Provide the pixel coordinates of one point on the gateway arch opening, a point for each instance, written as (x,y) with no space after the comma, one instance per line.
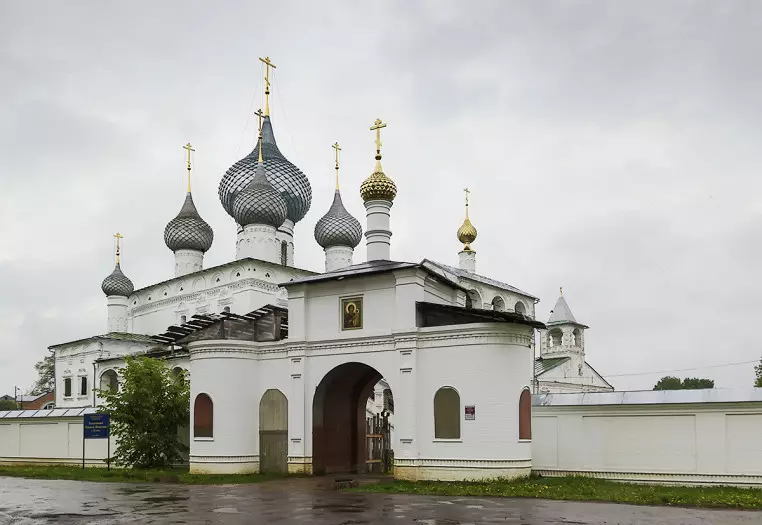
(351,433)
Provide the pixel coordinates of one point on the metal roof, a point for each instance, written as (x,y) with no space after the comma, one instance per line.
(542,364)
(437,314)
(54,412)
(562,314)
(464,274)
(652,397)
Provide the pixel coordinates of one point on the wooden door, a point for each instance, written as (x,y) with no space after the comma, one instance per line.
(273,433)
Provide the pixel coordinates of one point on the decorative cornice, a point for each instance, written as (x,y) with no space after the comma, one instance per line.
(254,283)
(223,459)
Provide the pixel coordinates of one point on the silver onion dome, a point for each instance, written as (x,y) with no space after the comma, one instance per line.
(259,202)
(338,227)
(282,174)
(188,231)
(117,283)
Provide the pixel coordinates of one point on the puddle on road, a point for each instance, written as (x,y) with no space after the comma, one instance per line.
(437,521)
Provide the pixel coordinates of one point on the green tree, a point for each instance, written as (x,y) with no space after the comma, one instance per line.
(8,404)
(758,371)
(146,414)
(668,383)
(689,383)
(46,380)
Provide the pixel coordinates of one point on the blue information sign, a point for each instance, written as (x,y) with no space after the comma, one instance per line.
(96,426)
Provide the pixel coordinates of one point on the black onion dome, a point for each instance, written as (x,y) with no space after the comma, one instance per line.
(259,203)
(188,231)
(338,227)
(117,283)
(282,174)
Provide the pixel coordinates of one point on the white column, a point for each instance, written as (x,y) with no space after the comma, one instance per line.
(286,234)
(117,313)
(258,241)
(338,257)
(188,261)
(468,260)
(378,234)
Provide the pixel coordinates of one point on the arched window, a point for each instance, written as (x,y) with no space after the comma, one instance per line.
(203,417)
(447,413)
(83,386)
(469,303)
(226,309)
(525,415)
(555,336)
(476,299)
(109,381)
(520,308)
(49,406)
(183,318)
(577,337)
(67,387)
(284,253)
(498,304)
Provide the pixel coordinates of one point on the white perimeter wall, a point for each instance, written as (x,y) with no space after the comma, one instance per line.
(685,443)
(52,441)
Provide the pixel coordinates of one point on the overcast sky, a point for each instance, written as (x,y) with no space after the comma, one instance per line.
(613,148)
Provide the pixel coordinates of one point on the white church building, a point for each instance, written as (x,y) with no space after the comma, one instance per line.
(286,364)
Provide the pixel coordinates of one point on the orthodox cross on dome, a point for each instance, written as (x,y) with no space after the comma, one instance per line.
(338,149)
(268,65)
(468,193)
(118,236)
(561,290)
(188,148)
(259,114)
(377,126)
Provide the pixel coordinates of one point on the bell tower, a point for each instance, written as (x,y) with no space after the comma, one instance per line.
(564,336)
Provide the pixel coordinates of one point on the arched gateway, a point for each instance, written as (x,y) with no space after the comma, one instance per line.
(339,438)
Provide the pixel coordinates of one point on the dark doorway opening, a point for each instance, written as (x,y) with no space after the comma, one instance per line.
(339,424)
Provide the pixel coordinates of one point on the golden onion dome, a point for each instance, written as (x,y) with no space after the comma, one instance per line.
(378,187)
(467,234)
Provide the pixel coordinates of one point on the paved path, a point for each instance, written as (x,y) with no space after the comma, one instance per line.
(28,502)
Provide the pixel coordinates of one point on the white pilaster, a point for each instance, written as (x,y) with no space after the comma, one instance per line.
(378,233)
(188,261)
(117,313)
(286,234)
(338,257)
(258,241)
(467,260)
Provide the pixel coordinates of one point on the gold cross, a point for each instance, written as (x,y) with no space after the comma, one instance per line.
(189,148)
(377,125)
(268,65)
(338,149)
(118,236)
(468,192)
(259,114)
(561,289)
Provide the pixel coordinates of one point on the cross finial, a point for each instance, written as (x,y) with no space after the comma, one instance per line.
(268,65)
(118,236)
(338,149)
(561,290)
(468,192)
(259,114)
(189,148)
(377,126)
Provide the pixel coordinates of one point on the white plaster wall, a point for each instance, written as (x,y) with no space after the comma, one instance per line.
(53,440)
(243,286)
(489,366)
(687,443)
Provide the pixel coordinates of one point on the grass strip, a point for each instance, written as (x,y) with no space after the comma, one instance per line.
(178,475)
(583,489)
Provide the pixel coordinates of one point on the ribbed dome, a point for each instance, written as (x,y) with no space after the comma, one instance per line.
(117,283)
(467,233)
(378,186)
(282,175)
(338,227)
(188,231)
(259,203)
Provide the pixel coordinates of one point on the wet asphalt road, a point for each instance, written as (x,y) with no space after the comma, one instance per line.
(27,502)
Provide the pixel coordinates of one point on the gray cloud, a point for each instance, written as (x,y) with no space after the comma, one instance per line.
(612,148)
